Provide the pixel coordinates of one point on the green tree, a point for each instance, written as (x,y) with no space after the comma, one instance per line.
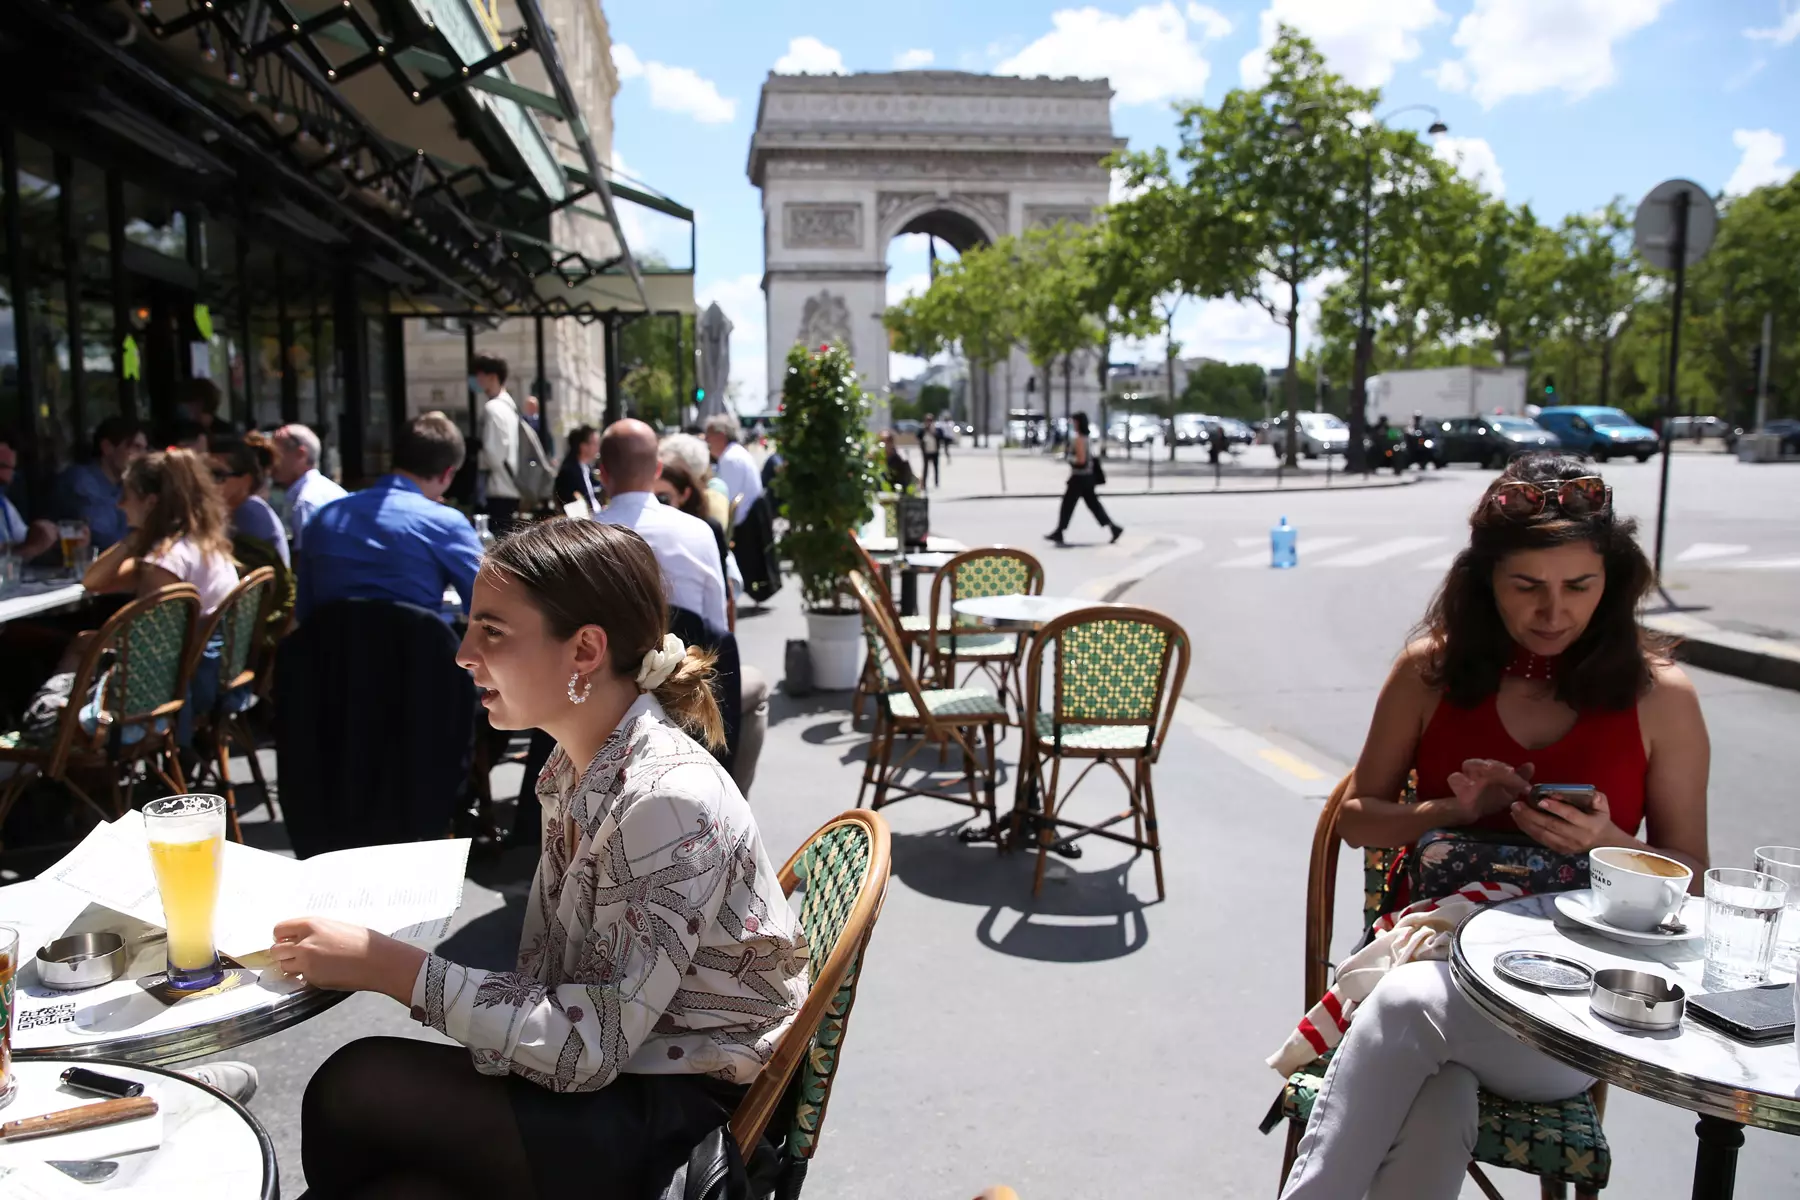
(829,477)
(972,306)
(1225,390)
(1054,290)
(661,365)
(1752,269)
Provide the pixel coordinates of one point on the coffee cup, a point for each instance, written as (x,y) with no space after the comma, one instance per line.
(1637,889)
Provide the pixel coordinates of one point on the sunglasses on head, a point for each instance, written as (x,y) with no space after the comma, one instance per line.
(1519,500)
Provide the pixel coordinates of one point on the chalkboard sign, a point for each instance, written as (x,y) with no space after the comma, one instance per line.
(915,521)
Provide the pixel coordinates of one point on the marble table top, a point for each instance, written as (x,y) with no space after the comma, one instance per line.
(887,547)
(210,1146)
(1692,1066)
(32,597)
(1029,612)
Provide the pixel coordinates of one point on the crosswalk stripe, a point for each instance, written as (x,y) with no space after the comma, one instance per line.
(1308,546)
(1701,551)
(1440,563)
(1381,552)
(1765,564)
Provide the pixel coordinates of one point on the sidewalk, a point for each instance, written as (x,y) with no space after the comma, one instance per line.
(988,473)
(1744,624)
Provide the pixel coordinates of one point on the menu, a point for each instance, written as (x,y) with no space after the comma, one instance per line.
(410,889)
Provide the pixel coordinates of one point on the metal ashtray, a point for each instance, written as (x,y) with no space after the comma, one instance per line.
(1551,972)
(1637,998)
(83,961)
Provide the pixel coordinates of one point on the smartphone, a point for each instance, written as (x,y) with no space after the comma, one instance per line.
(1756,1015)
(1575,795)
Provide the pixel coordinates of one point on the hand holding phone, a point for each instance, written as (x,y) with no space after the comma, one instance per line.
(1575,795)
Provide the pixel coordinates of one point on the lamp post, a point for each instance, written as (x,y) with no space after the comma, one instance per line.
(1364,357)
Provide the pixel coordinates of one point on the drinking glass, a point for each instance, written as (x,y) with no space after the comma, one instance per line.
(1783,862)
(1742,908)
(187,839)
(9,967)
(72,535)
(11,570)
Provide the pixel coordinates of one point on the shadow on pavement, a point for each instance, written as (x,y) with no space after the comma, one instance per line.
(491,941)
(1082,916)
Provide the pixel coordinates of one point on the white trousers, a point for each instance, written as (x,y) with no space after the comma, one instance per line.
(1395,1117)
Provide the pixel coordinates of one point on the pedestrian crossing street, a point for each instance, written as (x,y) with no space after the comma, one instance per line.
(1428,553)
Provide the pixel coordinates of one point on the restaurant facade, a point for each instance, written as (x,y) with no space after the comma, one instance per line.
(294,199)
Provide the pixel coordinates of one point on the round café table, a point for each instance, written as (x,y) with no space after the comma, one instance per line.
(131,1019)
(210,1145)
(1728,1083)
(887,552)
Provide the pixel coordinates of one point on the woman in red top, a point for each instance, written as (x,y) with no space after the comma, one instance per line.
(1530,664)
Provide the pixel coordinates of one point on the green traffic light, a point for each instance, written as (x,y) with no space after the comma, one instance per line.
(699,393)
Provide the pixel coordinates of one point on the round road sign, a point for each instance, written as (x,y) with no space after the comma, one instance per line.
(1655,223)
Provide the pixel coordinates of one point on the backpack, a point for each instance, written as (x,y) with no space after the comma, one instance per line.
(532,475)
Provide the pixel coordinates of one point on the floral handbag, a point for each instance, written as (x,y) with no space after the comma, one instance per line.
(1446,859)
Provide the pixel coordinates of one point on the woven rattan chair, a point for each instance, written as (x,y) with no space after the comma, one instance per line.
(844,867)
(957,641)
(1118,672)
(942,717)
(912,628)
(240,624)
(1561,1142)
(150,644)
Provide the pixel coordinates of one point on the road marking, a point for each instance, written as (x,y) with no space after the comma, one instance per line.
(1246,543)
(1440,563)
(1291,772)
(1765,564)
(1380,552)
(1701,551)
(1306,546)
(1109,587)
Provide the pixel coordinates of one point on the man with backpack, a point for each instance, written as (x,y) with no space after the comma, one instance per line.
(518,471)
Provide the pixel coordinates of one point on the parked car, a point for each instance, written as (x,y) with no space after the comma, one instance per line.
(1491,441)
(1193,429)
(1701,428)
(1598,433)
(1140,428)
(1789,429)
(1236,432)
(1319,433)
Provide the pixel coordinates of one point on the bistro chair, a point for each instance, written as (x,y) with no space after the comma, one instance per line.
(136,667)
(240,625)
(844,867)
(1118,672)
(943,717)
(911,628)
(955,640)
(1560,1142)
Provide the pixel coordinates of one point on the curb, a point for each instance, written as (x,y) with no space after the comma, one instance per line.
(1744,655)
(1120,493)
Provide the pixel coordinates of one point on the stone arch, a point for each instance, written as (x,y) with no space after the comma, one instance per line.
(949,219)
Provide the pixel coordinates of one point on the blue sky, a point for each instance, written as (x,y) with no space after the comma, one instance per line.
(1562,103)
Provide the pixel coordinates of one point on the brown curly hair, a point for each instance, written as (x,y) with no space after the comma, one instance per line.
(185,503)
(1610,666)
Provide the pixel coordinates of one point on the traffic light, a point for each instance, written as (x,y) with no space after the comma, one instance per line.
(1549,385)
(699,394)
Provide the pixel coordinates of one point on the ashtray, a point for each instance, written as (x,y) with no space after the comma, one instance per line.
(1551,972)
(84,960)
(1638,999)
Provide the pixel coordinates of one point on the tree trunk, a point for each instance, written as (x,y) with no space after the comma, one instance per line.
(1169,368)
(1068,387)
(1290,382)
(1606,355)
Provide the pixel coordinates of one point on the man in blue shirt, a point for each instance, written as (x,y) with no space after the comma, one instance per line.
(394,541)
(89,491)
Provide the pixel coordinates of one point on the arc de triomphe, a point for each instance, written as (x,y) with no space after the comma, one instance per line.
(847,162)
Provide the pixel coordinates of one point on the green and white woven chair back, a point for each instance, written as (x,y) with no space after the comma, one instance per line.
(147,673)
(871,603)
(993,575)
(832,868)
(239,629)
(890,516)
(1111,671)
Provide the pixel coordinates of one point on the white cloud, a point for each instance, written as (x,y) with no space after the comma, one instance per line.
(912,60)
(1521,47)
(1149,54)
(1761,163)
(810,56)
(1782,33)
(742,300)
(1474,160)
(1361,39)
(1237,331)
(675,89)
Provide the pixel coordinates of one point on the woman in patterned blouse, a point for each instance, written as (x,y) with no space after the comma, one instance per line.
(659,963)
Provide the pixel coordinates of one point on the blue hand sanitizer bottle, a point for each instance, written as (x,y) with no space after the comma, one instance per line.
(1283,551)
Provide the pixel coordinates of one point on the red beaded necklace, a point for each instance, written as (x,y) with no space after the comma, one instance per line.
(1526,665)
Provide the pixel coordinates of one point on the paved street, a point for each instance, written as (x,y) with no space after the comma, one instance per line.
(1096,1043)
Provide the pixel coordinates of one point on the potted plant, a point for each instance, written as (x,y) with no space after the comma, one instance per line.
(827,487)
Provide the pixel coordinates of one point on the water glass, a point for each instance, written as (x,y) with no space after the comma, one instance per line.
(1783,862)
(1742,910)
(11,570)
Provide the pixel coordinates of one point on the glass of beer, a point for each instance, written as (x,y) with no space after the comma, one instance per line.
(9,967)
(73,535)
(187,839)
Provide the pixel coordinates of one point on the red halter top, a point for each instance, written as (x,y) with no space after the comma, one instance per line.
(1605,748)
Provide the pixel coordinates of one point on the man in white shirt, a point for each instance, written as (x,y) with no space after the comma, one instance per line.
(25,539)
(736,467)
(683,545)
(499,442)
(296,469)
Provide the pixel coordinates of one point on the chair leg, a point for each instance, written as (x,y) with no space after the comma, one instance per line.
(1155,838)
(241,732)
(992,768)
(231,813)
(1047,825)
(1552,1189)
(1484,1183)
(875,735)
(883,768)
(118,799)
(1294,1131)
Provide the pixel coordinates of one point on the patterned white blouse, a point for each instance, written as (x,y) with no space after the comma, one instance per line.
(657,940)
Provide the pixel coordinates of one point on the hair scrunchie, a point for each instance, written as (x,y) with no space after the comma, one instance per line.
(660,663)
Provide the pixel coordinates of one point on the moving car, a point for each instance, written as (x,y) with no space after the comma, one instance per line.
(1193,429)
(1491,441)
(1319,433)
(1598,433)
(1236,432)
(1700,428)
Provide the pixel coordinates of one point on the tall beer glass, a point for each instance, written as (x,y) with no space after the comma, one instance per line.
(187,838)
(9,967)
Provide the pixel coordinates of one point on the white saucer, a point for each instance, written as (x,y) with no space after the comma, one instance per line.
(1579,907)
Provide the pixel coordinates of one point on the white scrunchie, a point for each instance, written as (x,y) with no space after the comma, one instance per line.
(660,663)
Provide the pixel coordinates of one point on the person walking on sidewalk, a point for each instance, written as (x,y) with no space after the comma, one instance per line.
(929,442)
(1082,481)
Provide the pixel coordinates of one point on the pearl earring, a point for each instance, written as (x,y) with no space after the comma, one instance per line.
(587,687)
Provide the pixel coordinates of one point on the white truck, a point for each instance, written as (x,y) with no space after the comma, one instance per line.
(1442,393)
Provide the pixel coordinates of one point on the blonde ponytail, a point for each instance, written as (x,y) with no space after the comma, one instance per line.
(687,697)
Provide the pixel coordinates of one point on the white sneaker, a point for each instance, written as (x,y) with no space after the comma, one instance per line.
(236,1079)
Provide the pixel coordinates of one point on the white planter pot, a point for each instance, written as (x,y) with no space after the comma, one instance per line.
(836,644)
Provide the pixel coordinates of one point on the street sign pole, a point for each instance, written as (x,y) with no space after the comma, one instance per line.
(1679,203)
